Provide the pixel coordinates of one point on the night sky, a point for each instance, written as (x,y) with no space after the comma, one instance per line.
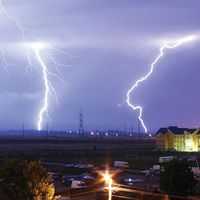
(107,45)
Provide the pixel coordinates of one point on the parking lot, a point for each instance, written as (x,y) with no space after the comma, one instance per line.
(130,178)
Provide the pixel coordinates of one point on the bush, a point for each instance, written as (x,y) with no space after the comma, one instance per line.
(177,177)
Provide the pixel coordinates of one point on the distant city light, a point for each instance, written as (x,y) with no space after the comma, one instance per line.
(106,134)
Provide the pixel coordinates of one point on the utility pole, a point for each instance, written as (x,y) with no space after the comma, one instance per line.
(138,127)
(124,128)
(23,129)
(131,128)
(81,129)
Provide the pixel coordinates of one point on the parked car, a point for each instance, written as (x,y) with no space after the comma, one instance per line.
(67,179)
(131,181)
(70,165)
(121,164)
(56,176)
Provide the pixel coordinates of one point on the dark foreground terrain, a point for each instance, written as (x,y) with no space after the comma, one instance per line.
(82,150)
(139,152)
(56,152)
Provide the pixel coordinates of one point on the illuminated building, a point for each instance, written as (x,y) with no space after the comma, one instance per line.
(179,139)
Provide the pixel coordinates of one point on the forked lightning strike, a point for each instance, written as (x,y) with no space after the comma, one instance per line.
(44,108)
(172,45)
(20,28)
(48,88)
(37,47)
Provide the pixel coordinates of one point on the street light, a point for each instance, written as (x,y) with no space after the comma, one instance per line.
(108,181)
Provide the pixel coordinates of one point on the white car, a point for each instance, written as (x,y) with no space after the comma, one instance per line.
(78,184)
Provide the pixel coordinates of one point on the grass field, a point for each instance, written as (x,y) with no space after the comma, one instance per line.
(140,153)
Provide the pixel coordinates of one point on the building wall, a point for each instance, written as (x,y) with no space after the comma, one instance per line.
(160,141)
(198,142)
(170,140)
(165,141)
(180,142)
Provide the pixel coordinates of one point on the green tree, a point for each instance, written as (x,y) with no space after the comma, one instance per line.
(177,177)
(25,181)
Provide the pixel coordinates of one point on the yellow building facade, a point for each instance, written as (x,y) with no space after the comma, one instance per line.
(179,139)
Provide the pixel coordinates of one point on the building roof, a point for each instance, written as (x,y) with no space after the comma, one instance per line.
(192,130)
(162,131)
(176,130)
(198,131)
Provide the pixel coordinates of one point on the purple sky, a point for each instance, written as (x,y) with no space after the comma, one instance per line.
(111,44)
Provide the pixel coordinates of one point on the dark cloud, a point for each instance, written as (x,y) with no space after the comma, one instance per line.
(111,43)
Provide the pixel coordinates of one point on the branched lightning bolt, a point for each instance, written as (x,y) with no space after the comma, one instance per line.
(48,88)
(37,47)
(172,45)
(4,61)
(20,28)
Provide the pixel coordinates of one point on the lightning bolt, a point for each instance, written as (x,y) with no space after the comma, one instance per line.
(22,29)
(44,108)
(48,88)
(37,47)
(4,61)
(172,45)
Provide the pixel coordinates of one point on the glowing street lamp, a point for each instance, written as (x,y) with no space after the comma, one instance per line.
(108,180)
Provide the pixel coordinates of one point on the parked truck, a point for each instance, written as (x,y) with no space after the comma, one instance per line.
(164,159)
(121,164)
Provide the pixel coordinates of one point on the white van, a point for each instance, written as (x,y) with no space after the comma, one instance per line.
(121,164)
(78,184)
(165,159)
(156,167)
